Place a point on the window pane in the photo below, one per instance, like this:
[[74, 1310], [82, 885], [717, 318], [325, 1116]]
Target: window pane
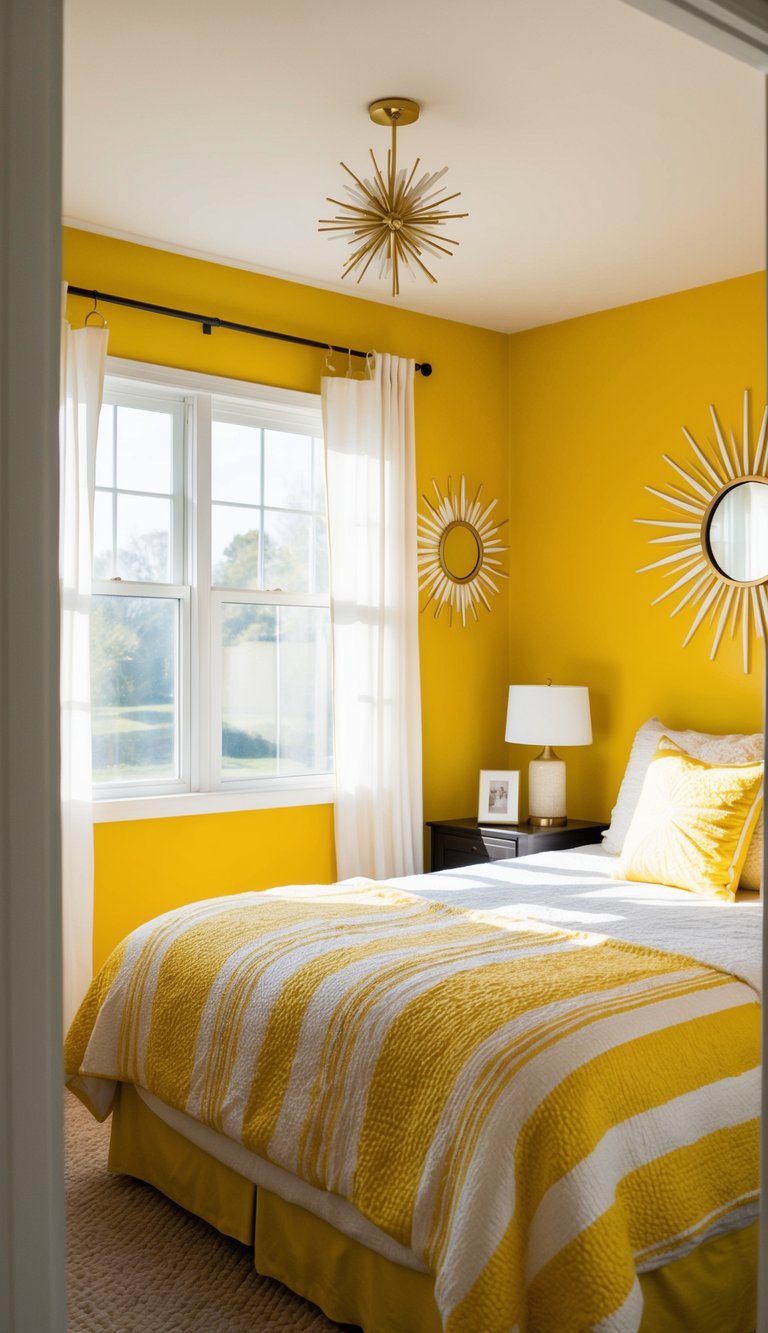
[[235, 546], [236, 462], [134, 684], [144, 450], [104, 447], [287, 470], [318, 476], [306, 744], [102, 535], [143, 539], [275, 691], [286, 551]]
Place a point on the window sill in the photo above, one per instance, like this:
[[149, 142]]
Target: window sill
[[317, 791]]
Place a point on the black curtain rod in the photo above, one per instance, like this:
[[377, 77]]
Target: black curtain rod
[[210, 322]]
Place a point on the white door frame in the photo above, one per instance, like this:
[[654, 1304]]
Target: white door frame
[[32, 1291], [739, 27], [32, 1287]]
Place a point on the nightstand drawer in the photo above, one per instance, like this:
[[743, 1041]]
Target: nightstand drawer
[[451, 850], [464, 842]]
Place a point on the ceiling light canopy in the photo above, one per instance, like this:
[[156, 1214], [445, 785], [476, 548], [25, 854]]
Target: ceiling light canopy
[[393, 219]]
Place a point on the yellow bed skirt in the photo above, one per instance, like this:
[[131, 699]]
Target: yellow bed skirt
[[711, 1290]]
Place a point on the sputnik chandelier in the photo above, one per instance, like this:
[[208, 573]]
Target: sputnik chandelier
[[393, 219]]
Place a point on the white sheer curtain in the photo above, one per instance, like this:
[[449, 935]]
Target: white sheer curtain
[[371, 476], [83, 357]]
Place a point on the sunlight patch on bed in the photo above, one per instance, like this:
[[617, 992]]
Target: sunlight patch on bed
[[560, 916]]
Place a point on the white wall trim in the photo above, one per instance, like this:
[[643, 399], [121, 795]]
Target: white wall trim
[[737, 27], [212, 802], [32, 1286]]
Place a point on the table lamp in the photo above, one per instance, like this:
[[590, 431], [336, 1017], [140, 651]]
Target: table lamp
[[548, 715]]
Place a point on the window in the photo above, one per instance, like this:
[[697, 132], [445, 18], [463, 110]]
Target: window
[[210, 625]]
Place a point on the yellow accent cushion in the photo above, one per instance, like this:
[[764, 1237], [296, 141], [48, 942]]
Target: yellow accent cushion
[[693, 823]]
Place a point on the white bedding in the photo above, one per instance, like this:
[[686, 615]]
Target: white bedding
[[575, 889]]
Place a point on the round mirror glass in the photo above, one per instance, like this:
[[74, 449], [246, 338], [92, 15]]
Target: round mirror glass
[[737, 534], [460, 552]]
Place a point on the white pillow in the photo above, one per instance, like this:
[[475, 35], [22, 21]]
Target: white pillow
[[733, 749]]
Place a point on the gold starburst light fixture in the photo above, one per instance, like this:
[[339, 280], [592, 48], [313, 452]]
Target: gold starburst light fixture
[[393, 219]]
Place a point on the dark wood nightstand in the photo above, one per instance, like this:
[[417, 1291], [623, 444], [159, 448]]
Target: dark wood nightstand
[[464, 842]]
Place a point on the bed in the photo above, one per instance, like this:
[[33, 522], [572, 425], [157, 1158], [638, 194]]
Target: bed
[[522, 1096], [516, 1098]]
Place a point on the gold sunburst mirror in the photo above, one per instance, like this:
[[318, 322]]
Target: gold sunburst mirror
[[458, 552], [720, 561]]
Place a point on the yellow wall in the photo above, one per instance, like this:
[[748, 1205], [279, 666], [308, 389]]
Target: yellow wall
[[594, 404], [565, 424], [146, 867]]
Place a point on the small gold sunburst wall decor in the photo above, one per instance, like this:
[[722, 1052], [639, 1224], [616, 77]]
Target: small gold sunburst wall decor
[[459, 551], [718, 534]]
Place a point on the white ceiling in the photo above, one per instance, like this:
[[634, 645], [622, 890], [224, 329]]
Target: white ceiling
[[602, 156]]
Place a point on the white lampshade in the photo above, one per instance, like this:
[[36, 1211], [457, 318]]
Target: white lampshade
[[549, 715]]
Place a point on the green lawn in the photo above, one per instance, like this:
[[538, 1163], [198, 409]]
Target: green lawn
[[134, 744], [137, 744]]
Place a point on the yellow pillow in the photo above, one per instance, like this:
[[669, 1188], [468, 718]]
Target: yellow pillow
[[693, 823]]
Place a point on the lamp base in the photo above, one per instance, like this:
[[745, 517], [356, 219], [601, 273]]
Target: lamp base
[[546, 790]]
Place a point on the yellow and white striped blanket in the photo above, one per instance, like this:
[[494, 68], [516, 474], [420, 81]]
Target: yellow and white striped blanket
[[537, 1114]]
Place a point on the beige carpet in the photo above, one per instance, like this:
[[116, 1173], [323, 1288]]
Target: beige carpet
[[139, 1264]]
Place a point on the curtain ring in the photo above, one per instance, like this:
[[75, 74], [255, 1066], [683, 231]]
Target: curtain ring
[[370, 363], [349, 364], [97, 313], [330, 367]]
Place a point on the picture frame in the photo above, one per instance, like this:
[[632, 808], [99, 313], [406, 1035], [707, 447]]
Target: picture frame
[[499, 796]]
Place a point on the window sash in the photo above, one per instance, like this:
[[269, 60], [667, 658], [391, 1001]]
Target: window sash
[[177, 407], [221, 598], [195, 400], [181, 594]]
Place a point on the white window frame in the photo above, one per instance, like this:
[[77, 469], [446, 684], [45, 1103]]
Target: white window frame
[[197, 791]]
